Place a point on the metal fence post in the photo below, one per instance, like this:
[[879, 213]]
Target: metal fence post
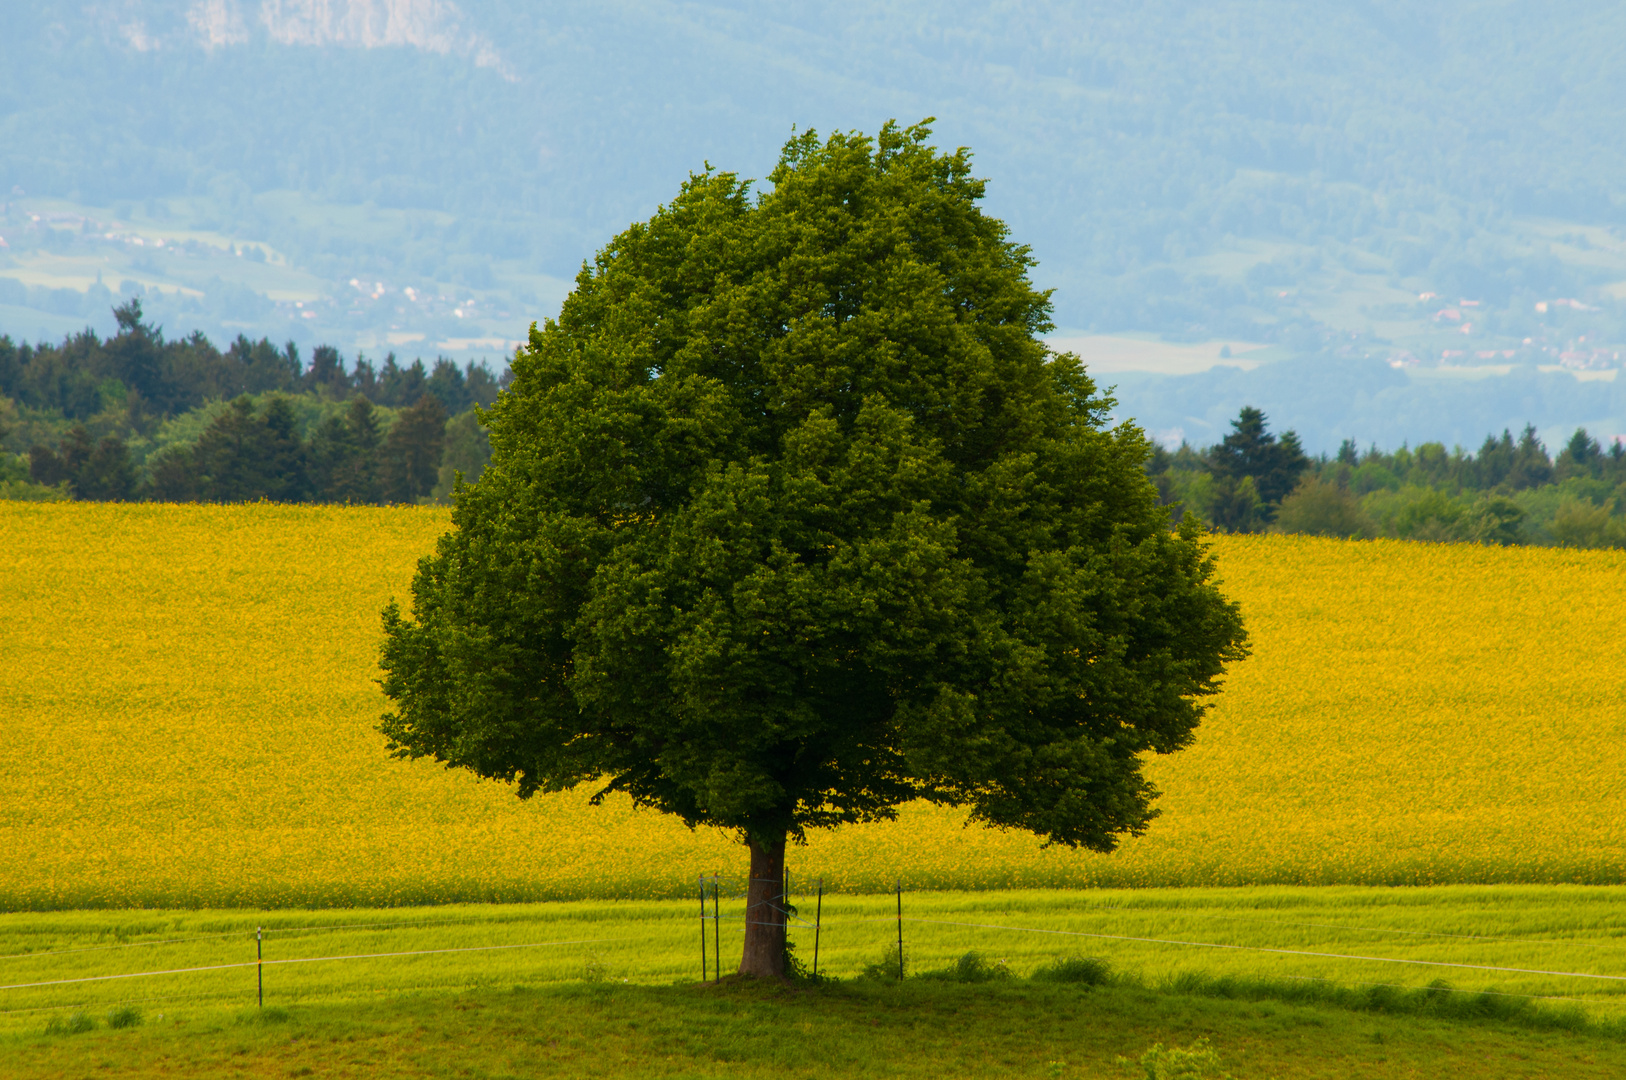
[[900, 931], [259, 961], [818, 922]]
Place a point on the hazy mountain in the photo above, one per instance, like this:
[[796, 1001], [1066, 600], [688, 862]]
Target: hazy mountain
[[1278, 173]]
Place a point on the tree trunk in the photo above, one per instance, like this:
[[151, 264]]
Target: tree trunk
[[764, 955]]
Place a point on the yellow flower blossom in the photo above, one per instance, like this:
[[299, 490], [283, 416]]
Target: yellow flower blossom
[[189, 706]]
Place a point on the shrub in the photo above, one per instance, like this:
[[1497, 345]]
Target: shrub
[[1580, 524], [1080, 970], [973, 967], [1199, 1061], [1318, 508], [126, 1017], [888, 967], [72, 1024]]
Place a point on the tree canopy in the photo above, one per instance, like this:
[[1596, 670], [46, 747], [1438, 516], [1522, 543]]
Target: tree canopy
[[792, 518]]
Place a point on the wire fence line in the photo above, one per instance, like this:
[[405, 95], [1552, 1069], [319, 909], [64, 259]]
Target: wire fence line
[[1487, 938], [125, 945], [266, 930], [306, 960], [774, 907], [1281, 952]]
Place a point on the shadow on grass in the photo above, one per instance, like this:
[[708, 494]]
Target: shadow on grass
[[1439, 999]]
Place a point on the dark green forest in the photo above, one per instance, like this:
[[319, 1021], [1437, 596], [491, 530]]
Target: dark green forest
[[135, 416], [1510, 491], [1384, 195], [138, 417]]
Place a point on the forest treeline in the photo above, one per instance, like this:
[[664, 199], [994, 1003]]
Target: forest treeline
[[1511, 491], [136, 416]]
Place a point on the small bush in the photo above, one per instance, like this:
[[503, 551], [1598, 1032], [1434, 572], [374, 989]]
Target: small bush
[[126, 1017], [1199, 1061], [973, 967], [887, 968], [1079, 970], [798, 972], [72, 1024]]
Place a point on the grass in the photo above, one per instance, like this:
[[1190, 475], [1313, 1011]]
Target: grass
[[919, 1029], [1450, 951]]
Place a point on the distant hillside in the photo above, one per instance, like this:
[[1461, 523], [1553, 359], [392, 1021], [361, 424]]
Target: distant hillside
[[1273, 172]]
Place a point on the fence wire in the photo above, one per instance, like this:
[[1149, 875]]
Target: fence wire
[[719, 889]]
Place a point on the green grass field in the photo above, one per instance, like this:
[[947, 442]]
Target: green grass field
[[1529, 951], [919, 1029]]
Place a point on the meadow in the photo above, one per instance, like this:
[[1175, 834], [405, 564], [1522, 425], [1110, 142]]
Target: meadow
[[1551, 952], [922, 1029], [190, 705], [190, 758]]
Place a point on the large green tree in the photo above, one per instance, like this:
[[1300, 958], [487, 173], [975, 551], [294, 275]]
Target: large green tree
[[792, 518]]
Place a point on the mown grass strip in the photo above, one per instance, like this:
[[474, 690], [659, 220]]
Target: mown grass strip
[[922, 1028]]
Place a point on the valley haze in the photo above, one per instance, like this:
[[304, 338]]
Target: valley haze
[[1401, 224]]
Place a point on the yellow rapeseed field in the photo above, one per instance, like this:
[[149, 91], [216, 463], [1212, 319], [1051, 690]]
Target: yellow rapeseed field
[[187, 707]]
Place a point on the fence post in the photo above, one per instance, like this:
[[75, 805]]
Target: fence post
[[259, 961], [717, 926], [900, 931], [818, 923], [702, 927]]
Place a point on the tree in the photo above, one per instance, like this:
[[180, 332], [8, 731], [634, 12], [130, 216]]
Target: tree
[[263, 367], [174, 475], [99, 472], [1530, 467], [1319, 508], [412, 451], [327, 371], [1251, 452], [135, 354], [1581, 524], [1581, 457], [242, 457], [792, 518], [399, 386], [344, 455], [106, 474], [468, 448], [1494, 519]]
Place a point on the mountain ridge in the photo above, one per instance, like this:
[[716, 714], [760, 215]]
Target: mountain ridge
[[1274, 171]]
